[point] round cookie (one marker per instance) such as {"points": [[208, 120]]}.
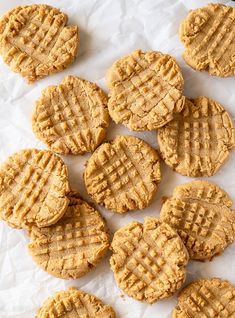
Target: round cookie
{"points": [[35, 41], [74, 303], [201, 213], [148, 260], [208, 36], [74, 245], [206, 298], [198, 140], [123, 174], [71, 117], [145, 90], [33, 188]]}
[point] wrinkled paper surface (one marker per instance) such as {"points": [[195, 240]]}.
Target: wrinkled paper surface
{"points": [[109, 30]]}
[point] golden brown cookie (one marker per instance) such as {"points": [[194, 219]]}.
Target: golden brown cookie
{"points": [[148, 260], [145, 90], [201, 213], [35, 41], [71, 117], [206, 298], [198, 140], [208, 34], [74, 245], [123, 174], [33, 188], [73, 303]]}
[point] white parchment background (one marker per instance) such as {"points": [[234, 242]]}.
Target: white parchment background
{"points": [[109, 30]]}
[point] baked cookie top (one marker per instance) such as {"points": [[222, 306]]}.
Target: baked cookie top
{"points": [[74, 245], [198, 140], [33, 188], [206, 298], [145, 90], [123, 174], [208, 34], [35, 41], [201, 213], [71, 117], [75, 304], [148, 260]]}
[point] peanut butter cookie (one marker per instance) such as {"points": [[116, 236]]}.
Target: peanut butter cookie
{"points": [[35, 41], [198, 140], [73, 303], [208, 34], [148, 260], [71, 117], [145, 90], [206, 298], [33, 188], [201, 213], [74, 245], [123, 174]]}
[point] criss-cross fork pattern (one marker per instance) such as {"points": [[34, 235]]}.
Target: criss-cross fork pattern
{"points": [[80, 237], [198, 140], [201, 213], [196, 220], [204, 228], [153, 88], [74, 303], [148, 268], [209, 301], [72, 116], [119, 176], [32, 181], [215, 42], [36, 41]]}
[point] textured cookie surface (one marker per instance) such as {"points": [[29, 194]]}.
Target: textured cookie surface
{"points": [[208, 34], [206, 298], [35, 41], [145, 90], [71, 117], [199, 139], [148, 260], [73, 303], [123, 174], [33, 188], [74, 245], [201, 213]]}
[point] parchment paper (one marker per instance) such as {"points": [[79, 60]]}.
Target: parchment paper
{"points": [[109, 30]]}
